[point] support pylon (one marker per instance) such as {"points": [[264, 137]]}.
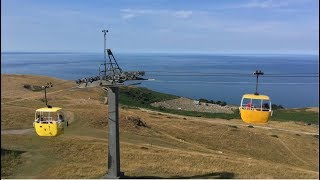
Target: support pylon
{"points": [[113, 135]]}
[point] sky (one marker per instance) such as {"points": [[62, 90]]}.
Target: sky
{"points": [[172, 26]]}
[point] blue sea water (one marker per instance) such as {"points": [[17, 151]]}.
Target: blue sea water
{"points": [[290, 92]]}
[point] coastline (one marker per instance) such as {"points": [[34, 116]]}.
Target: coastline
{"points": [[312, 108]]}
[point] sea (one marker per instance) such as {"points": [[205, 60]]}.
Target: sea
{"points": [[289, 80]]}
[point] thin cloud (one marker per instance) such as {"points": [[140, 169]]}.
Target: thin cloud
{"points": [[137, 11], [268, 4], [131, 13], [183, 14], [128, 16], [265, 4], [252, 28]]}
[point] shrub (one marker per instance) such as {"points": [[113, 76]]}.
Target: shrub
{"points": [[275, 106], [223, 103], [204, 100], [233, 126], [161, 108]]}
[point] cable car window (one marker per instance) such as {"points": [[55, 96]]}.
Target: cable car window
{"points": [[246, 103], [266, 105], [256, 104], [44, 116], [60, 118]]}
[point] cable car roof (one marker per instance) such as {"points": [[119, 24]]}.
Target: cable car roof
{"points": [[46, 109], [253, 96]]}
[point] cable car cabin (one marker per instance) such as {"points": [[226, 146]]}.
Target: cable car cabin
{"points": [[255, 108], [49, 121]]}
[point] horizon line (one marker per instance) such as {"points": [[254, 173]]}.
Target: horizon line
{"points": [[163, 52]]}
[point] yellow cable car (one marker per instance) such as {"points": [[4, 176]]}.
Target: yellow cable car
{"points": [[49, 121], [255, 108]]}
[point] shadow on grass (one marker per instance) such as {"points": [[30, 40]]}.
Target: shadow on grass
{"points": [[10, 159], [11, 152], [215, 175]]}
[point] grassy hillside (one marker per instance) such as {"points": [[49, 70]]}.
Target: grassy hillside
{"points": [[152, 142], [142, 97]]}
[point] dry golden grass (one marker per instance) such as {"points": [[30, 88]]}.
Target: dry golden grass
{"points": [[12, 85], [16, 117], [171, 146], [85, 157]]}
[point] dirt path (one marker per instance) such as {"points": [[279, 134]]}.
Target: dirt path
{"points": [[292, 153], [17, 131], [221, 121], [186, 142]]}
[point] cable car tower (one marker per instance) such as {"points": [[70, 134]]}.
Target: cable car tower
{"points": [[110, 78], [112, 74]]}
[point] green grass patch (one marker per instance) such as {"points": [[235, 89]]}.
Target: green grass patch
{"points": [[141, 97], [234, 115], [299, 115]]}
